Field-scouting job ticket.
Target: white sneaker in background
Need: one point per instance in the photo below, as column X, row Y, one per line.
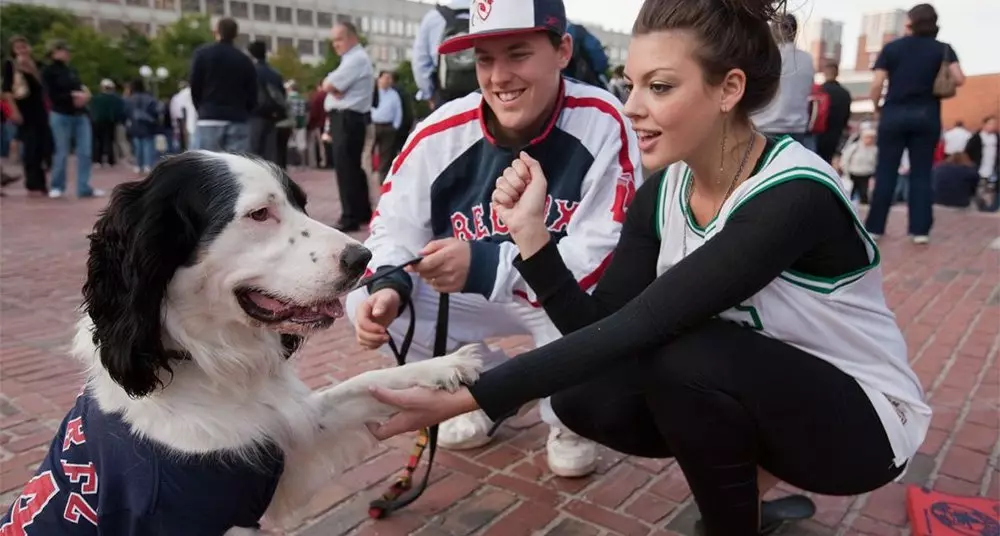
column 921, row 239
column 55, row 193
column 570, row 455
column 465, row 432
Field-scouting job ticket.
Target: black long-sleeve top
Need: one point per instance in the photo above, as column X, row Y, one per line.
column 60, row 81
column 799, row 225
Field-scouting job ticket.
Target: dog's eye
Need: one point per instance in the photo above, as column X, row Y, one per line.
column 261, row 214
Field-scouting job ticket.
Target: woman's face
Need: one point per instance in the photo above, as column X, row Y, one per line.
column 21, row 48
column 673, row 111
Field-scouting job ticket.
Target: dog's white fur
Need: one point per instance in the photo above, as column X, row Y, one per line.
column 238, row 389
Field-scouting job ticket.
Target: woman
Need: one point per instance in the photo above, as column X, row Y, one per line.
column 858, row 163
column 910, row 118
column 741, row 327
column 22, row 89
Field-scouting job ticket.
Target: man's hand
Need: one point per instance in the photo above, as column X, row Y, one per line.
column 445, row 265
column 374, row 316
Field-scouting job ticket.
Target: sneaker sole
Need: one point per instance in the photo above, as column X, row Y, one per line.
column 573, row 472
column 468, row 444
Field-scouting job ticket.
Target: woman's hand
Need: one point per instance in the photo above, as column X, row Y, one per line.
column 519, row 200
column 419, row 408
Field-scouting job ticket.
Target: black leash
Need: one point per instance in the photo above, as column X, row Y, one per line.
column 401, row 493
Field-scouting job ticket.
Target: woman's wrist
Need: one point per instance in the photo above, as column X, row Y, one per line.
column 531, row 240
column 464, row 401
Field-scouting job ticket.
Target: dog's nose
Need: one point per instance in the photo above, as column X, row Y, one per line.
column 354, row 259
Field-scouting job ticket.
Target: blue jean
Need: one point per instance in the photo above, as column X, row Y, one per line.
column 65, row 130
column 7, row 132
column 145, row 152
column 230, row 137
column 916, row 129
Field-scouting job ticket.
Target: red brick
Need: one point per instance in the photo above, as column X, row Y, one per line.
column 36, row 439
column 650, row 508
column 523, row 520
column 618, row 486
column 830, row 511
column 672, row 485
column 607, row 519
column 954, row 486
column 475, row 512
column 977, row 437
column 458, row 463
column 400, row 523
column 965, row 464
column 445, row 493
column 573, row 527
column 377, row 470
column 933, row 441
column 501, row 457
column 525, row 489
column 870, row 527
column 887, row 504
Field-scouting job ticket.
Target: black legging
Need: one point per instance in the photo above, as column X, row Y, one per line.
column 724, row 400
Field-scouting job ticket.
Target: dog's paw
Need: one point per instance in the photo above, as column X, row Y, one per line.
column 449, row 372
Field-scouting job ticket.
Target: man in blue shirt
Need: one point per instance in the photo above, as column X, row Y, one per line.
column 387, row 118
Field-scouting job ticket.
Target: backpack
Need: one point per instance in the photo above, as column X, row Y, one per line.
column 819, row 110
column 271, row 101
column 589, row 61
column 456, row 73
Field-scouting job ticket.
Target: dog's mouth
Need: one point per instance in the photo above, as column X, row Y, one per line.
column 287, row 316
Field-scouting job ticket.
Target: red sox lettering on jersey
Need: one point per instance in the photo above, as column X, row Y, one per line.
column 39, row 492
column 482, row 225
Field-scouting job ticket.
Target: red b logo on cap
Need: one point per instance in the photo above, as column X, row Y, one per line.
column 483, row 8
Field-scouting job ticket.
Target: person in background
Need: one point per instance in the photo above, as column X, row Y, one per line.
column 23, row 93
column 315, row 124
column 350, row 89
column 858, row 162
column 955, row 138
column 224, row 91
column 142, row 111
column 788, row 113
column 955, row 181
column 69, row 121
column 272, row 107
column 185, row 117
column 425, row 50
column 387, row 118
column 297, row 123
column 909, row 118
column 827, row 143
column 983, row 152
column 617, row 85
column 107, row 110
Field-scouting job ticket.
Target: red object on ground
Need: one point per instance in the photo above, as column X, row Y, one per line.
column 933, row 513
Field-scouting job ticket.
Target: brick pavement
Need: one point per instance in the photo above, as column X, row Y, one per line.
column 946, row 297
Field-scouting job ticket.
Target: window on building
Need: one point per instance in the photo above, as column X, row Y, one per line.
column 345, row 18
column 324, row 19
column 307, row 47
column 191, row 6
column 262, row 12
column 283, row 14
column 165, row 5
column 266, row 39
column 216, row 7
column 111, row 28
column 239, row 9
column 365, row 24
column 304, row 17
column 285, row 42
column 242, row 40
column 139, row 3
column 110, row 1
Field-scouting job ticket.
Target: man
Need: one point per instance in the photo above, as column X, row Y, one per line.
column 184, row 117
column 387, row 118
column 297, row 123
column 69, row 121
column 224, row 91
column 436, row 203
column 443, row 21
column 271, row 106
column 107, row 109
column 983, row 149
column 788, row 112
column 828, row 142
column 349, row 102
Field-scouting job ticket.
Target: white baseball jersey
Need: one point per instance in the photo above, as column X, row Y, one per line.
column 844, row 320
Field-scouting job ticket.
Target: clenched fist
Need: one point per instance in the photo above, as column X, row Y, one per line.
column 519, row 200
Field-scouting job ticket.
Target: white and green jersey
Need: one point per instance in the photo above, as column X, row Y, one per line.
column 843, row 320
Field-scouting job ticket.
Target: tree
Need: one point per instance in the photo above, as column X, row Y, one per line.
column 31, row 22
column 286, row 61
column 408, row 83
column 174, row 45
column 136, row 49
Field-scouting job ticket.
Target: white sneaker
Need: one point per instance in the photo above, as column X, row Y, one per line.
column 570, row 455
column 921, row 239
column 55, row 193
column 465, row 432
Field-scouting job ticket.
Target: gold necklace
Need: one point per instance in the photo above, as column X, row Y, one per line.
column 732, row 186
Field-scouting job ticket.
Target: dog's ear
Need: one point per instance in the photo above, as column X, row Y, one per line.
column 138, row 242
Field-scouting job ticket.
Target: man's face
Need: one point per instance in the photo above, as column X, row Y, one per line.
column 385, row 81
column 341, row 39
column 61, row 54
column 519, row 76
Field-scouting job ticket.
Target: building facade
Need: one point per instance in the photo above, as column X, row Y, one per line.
column 821, row 38
column 389, row 25
column 877, row 29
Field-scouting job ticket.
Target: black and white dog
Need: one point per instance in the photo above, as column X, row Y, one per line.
column 202, row 280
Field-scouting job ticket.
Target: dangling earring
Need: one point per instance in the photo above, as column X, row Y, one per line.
column 722, row 154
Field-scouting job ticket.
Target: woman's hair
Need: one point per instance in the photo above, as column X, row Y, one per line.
column 15, row 40
column 923, row 20
column 731, row 34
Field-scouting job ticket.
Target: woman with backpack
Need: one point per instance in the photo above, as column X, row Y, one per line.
column 142, row 113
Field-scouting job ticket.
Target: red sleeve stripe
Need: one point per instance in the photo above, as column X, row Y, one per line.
column 586, row 282
column 432, row 129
